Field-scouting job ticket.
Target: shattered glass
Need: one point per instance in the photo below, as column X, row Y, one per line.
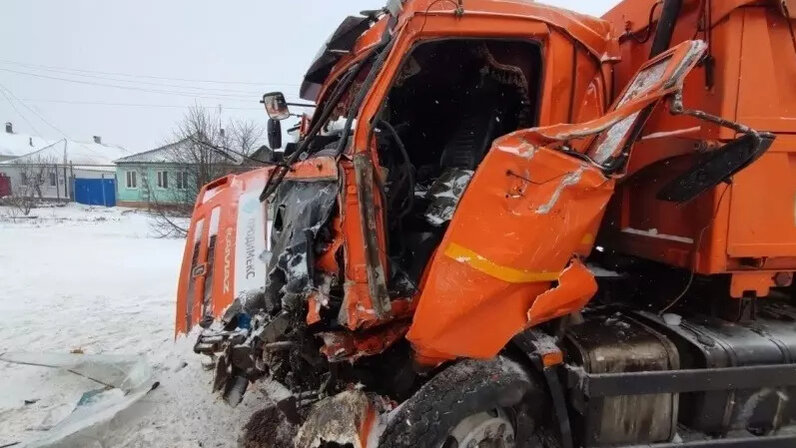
column 609, row 141
column 302, row 208
column 445, row 193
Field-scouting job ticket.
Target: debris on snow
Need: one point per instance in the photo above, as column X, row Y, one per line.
column 110, row 288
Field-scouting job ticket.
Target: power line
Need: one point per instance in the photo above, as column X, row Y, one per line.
column 35, row 112
column 3, row 91
column 140, row 89
column 99, row 103
column 228, row 97
column 157, row 84
column 209, row 81
column 47, row 121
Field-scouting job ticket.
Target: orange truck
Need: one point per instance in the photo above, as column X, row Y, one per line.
column 507, row 224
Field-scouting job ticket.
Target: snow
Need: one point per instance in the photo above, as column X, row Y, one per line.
column 170, row 154
column 15, row 145
column 95, row 279
column 80, row 154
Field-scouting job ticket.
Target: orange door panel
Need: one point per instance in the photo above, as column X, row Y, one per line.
column 529, row 209
column 525, row 213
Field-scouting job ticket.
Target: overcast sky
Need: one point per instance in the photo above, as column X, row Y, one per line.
column 126, row 70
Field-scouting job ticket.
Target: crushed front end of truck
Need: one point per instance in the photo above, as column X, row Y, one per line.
column 311, row 272
column 432, row 217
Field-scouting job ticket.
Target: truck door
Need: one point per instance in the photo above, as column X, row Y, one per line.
column 531, row 210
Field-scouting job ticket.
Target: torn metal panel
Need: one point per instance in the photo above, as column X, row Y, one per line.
column 516, row 229
column 568, row 180
column 301, row 208
column 348, row 346
column 445, row 193
column 225, row 260
column 576, row 286
column 349, row 417
column 319, row 298
column 377, row 280
column 657, row 79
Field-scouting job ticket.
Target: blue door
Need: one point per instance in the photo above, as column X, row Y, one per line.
column 95, row 192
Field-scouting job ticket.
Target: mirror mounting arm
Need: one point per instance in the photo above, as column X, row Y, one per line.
column 677, row 108
column 716, row 166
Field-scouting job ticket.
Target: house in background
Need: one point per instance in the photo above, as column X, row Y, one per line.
column 167, row 175
column 62, row 169
column 14, row 144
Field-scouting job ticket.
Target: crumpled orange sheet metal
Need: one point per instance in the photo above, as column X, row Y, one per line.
column 526, row 212
column 220, row 207
column 350, row 346
column 576, row 286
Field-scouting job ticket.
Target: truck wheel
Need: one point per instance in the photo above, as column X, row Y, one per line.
column 469, row 404
column 485, row 429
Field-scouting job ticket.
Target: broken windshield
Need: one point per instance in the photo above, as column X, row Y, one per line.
column 609, row 142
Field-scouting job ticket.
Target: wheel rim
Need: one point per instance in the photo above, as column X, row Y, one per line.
column 492, row 429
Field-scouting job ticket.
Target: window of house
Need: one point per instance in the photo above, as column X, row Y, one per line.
column 132, row 181
column 163, row 179
column 53, row 179
column 182, row 180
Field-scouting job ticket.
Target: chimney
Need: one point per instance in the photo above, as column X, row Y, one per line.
column 222, row 133
column 98, row 139
column 30, row 141
column 9, row 127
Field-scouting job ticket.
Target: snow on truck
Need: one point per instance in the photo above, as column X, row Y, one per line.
column 448, row 265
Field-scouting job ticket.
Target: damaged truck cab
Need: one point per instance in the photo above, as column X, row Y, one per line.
column 366, row 214
column 422, row 247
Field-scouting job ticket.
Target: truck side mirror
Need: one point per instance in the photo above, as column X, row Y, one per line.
column 274, row 133
column 275, row 105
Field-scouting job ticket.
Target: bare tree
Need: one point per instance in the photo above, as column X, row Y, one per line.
column 204, row 150
column 29, row 177
column 245, row 136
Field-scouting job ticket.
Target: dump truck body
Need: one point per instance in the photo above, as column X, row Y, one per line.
column 747, row 78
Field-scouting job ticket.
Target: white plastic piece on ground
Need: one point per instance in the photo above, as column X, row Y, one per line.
column 120, row 371
column 121, row 380
column 100, row 304
column 672, row 319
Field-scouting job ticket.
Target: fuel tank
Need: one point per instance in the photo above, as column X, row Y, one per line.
column 706, row 342
column 619, row 343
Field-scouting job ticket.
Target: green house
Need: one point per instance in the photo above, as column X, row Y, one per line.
column 171, row 175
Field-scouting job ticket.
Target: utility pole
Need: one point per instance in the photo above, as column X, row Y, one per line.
column 66, row 184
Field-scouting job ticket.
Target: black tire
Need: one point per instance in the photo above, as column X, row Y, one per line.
column 461, row 390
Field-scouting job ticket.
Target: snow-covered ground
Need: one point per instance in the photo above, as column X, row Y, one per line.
column 97, row 280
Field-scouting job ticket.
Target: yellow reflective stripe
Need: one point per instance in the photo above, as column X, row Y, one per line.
column 505, row 273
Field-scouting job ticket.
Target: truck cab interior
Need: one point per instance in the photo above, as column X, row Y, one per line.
column 450, row 100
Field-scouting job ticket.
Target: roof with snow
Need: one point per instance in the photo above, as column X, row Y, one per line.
column 170, row 153
column 15, row 145
column 65, row 151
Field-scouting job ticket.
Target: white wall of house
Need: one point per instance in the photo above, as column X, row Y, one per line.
column 56, row 182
